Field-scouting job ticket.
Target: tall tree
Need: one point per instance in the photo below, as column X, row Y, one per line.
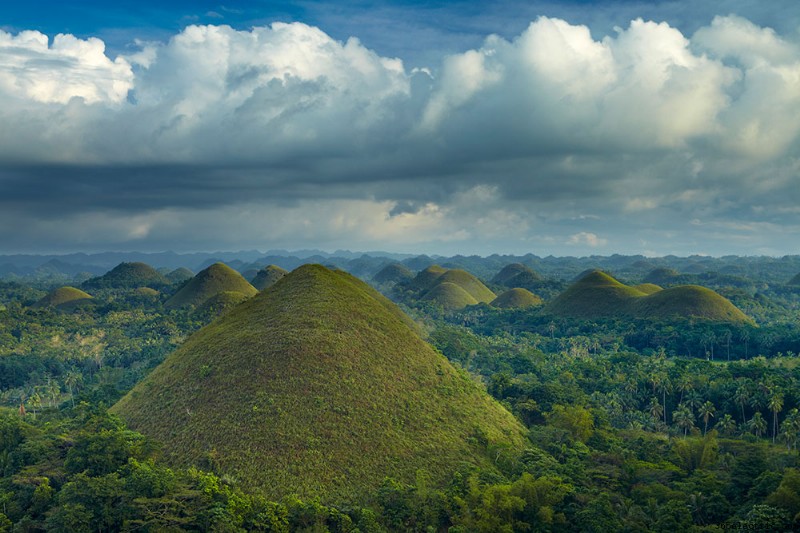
column 707, row 410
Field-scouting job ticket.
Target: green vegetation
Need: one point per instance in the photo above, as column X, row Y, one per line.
column 207, row 283
column 516, row 299
column 795, row 280
column 326, row 390
column 268, row 276
column 128, row 276
column 63, row 296
column 598, row 295
column 645, row 421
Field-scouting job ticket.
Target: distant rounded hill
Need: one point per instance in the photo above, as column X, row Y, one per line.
column 207, row 283
column 268, row 276
column 452, row 289
column 64, row 297
column 128, row 276
column 393, row 273
column 662, row 276
column 449, row 296
column 180, row 275
column 516, row 275
column 598, row 295
column 516, row 298
column 327, row 391
column 425, row 279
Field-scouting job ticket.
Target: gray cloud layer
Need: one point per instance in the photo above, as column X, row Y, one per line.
column 553, row 141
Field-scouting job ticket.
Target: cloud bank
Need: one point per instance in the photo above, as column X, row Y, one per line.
column 555, row 141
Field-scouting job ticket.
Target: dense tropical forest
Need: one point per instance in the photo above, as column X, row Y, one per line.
column 645, row 394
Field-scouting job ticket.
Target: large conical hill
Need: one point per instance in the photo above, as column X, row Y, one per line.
column 516, row 298
column 268, row 276
column 128, row 276
column 180, row 275
column 63, row 297
column 207, row 283
column 318, row 388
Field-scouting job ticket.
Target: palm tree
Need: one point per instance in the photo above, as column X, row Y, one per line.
column 757, row 424
column 726, row 424
column 790, row 429
column 684, row 418
column 72, row 380
column 775, row 405
column 707, row 410
column 655, row 408
column 35, row 401
column 741, row 396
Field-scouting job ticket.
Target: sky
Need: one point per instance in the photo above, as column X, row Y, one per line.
column 559, row 127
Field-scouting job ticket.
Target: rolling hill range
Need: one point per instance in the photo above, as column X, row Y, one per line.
column 207, row 283
column 598, row 295
column 325, row 387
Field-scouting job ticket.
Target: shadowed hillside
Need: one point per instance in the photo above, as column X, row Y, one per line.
column 449, row 296
column 179, row 275
column 128, row 276
column 516, row 275
column 326, row 390
column 207, row 283
column 393, row 273
column 268, row 276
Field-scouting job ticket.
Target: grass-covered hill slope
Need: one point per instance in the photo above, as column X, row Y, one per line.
column 207, row 283
column 128, row 276
column 516, row 298
column 688, row 301
column 518, row 271
column 268, row 276
column 393, row 273
column 220, row 303
column 469, row 283
column 449, row 296
column 598, row 295
column 63, row 296
column 316, row 387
